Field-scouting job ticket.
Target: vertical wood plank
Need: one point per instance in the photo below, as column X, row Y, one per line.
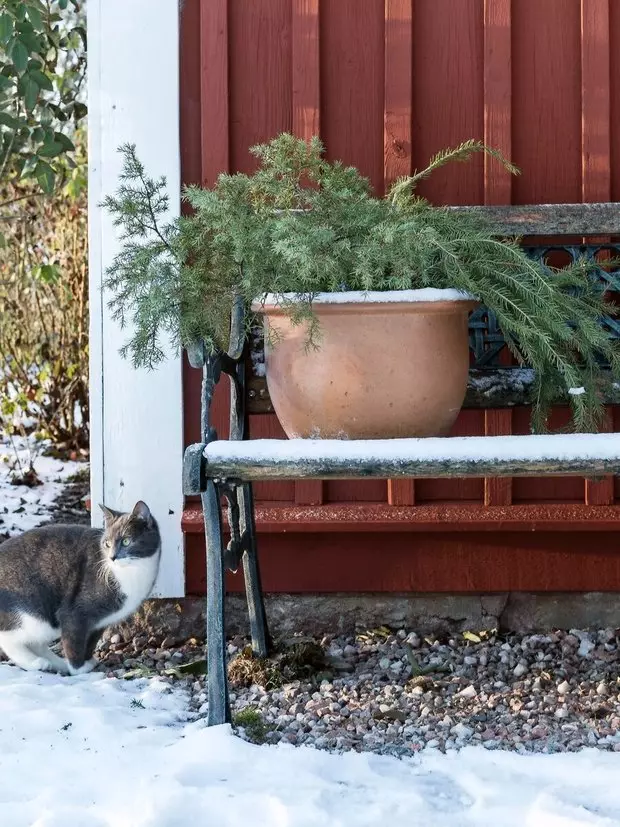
column 397, row 105
column 498, row 422
column 306, row 68
column 601, row 492
column 546, row 88
column 214, row 124
column 352, row 85
column 306, row 97
column 401, row 492
column 497, row 98
column 214, row 89
column 595, row 101
column 497, row 180
column 447, row 92
column 596, row 151
column 397, row 139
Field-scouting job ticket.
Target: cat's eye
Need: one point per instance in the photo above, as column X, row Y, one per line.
column 107, row 543
column 126, row 541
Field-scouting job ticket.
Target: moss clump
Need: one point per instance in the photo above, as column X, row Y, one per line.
column 251, row 722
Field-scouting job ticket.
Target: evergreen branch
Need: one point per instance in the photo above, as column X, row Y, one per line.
column 404, row 187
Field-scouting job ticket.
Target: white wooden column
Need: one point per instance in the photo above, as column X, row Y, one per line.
column 136, row 415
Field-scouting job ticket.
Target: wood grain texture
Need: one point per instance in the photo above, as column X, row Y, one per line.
column 397, row 139
column 448, row 95
column 260, row 76
column 454, row 562
column 497, row 99
column 397, row 97
column 498, row 491
column 306, row 70
column 596, row 151
column 190, row 83
column 552, row 219
column 215, row 89
column 401, row 492
column 601, row 492
column 352, row 84
column 595, row 101
column 546, row 101
column 306, row 96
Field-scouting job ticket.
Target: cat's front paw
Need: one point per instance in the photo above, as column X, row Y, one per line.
column 37, row 665
column 86, row 667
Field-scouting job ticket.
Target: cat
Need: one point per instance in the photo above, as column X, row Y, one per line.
column 70, row 582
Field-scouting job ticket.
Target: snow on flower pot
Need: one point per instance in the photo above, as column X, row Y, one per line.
column 387, row 365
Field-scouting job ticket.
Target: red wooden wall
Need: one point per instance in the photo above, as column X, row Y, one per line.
column 387, row 83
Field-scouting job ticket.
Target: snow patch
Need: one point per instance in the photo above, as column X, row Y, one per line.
column 21, row 507
column 426, row 294
column 562, row 447
column 97, row 752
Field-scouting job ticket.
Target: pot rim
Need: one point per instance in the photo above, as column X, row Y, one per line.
column 427, row 299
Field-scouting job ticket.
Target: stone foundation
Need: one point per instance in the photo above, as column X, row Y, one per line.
column 345, row 614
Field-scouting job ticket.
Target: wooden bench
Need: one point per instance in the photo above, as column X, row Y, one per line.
column 225, row 469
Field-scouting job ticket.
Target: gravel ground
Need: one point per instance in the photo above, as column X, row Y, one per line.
column 542, row 693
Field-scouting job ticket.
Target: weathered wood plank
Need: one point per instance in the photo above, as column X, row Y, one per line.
column 552, row 219
column 559, row 454
column 497, row 388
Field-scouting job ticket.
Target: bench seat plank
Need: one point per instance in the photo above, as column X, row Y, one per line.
column 562, row 454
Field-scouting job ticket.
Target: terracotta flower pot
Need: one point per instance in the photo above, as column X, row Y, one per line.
column 388, row 365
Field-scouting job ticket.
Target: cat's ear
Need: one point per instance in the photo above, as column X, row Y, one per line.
column 141, row 512
column 109, row 514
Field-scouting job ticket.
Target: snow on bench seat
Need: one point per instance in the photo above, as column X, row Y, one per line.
column 563, row 454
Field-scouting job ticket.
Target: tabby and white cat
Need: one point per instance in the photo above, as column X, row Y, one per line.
column 70, row 582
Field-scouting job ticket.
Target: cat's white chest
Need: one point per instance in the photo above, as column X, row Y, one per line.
column 135, row 580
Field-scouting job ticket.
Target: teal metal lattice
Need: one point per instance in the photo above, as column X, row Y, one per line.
column 486, row 340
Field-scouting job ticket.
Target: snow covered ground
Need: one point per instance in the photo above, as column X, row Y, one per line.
column 22, row 507
column 98, row 752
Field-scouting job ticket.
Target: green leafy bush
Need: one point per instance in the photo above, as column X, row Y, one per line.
column 43, row 238
column 303, row 225
column 42, row 69
column 44, row 311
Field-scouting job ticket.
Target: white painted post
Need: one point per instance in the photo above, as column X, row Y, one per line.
column 136, row 416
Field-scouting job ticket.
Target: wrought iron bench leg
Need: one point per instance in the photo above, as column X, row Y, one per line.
column 219, row 707
column 261, row 639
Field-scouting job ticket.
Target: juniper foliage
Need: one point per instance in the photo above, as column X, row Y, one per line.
column 303, row 225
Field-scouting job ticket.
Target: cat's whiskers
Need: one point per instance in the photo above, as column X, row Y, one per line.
column 104, row 571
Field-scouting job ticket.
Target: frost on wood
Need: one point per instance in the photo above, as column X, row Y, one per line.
column 563, row 454
column 427, row 294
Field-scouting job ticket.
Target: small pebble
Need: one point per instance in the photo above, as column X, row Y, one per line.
column 468, row 692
